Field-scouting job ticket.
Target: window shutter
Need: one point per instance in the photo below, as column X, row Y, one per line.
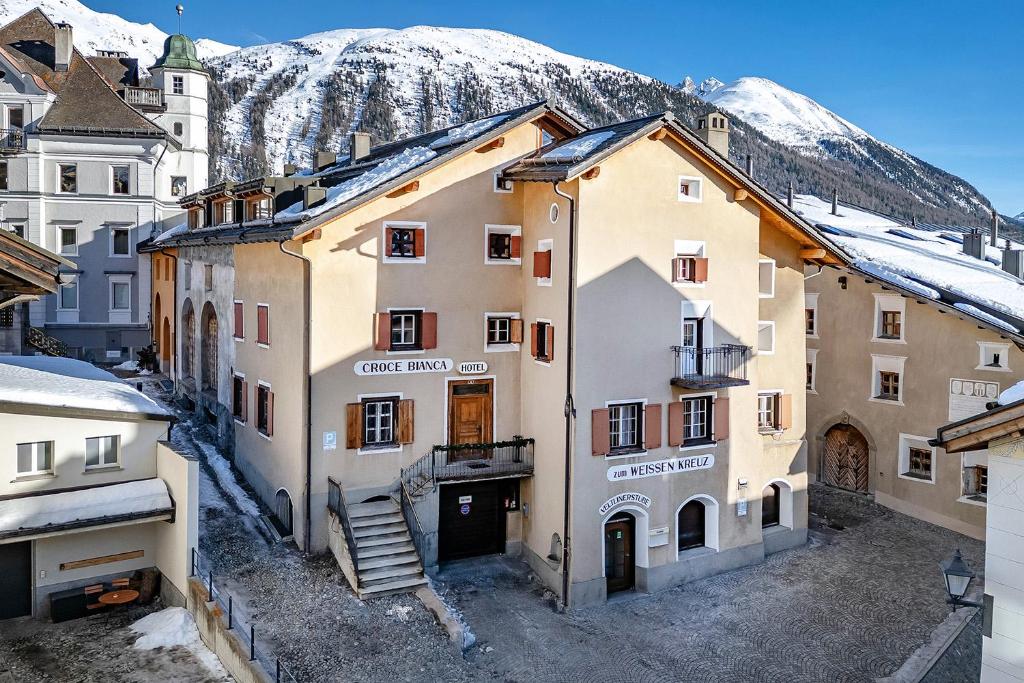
column 700, row 270
column 533, row 339
column 429, row 330
column 515, row 331
column 245, row 401
column 675, row 423
column 388, row 232
column 786, row 411
column 405, row 421
column 270, row 413
column 516, row 246
column 721, row 419
column 549, row 347
column 652, row 426
column 678, row 265
column 419, row 242
column 354, row 425
column 542, row 263
column 600, row 439
column 263, row 324
column 383, row 341
column 239, row 312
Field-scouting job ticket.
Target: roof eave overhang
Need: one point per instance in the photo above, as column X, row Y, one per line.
column 15, row 408
column 93, row 524
column 975, row 433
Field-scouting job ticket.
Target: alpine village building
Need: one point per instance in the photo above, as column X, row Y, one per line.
column 518, row 335
column 91, row 165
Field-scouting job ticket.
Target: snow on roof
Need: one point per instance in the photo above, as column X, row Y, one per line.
column 467, row 131
column 69, row 383
column 36, row 513
column 925, row 262
column 173, row 232
column 579, row 146
column 1012, row 394
column 388, row 169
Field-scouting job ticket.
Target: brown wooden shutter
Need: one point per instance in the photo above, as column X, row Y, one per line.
column 270, row 413
column 515, row 331
column 700, row 270
column 516, row 246
column 405, row 421
column 354, row 425
column 239, row 320
column 429, row 331
column 245, row 401
column 675, row 423
column 786, row 411
column 383, row 340
column 533, row 339
column 652, row 426
column 721, row 419
column 542, row 263
column 388, row 232
column 419, row 242
column 549, row 347
column 600, row 439
column 263, row 324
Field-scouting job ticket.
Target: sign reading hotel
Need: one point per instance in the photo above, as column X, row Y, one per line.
column 402, row 366
column 968, row 397
column 641, row 470
column 637, row 498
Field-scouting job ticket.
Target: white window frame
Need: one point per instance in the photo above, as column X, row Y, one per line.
column 641, row 428
column 906, row 441
column 547, row 245
column 500, row 348
column 554, row 213
column 690, row 198
column 397, row 448
column 538, row 361
column 113, row 227
column 770, row 324
column 889, row 302
column 882, row 363
column 35, row 472
column 513, row 231
column 777, row 394
column 171, row 187
column 175, row 81
column 761, row 294
column 985, row 348
column 812, row 359
column 56, row 187
column 60, row 240
column 110, row 179
column 407, row 352
column 101, row 465
column 60, row 297
column 407, row 225
column 712, row 403
column 119, row 315
column 811, row 303
column 497, row 185
column 689, row 249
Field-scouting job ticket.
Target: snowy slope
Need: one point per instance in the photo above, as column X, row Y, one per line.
column 101, row 31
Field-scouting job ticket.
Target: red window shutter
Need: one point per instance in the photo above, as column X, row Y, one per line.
column 721, row 419
column 533, row 339
column 515, row 331
column 429, row 331
column 600, row 439
column 245, row 401
column 270, row 413
column 675, row 423
column 419, row 242
column 383, row 341
column 517, row 246
column 652, row 426
column 354, row 425
column 405, row 421
column 388, row 232
column 786, row 411
column 700, row 270
column 542, row 263
column 263, row 324
column 549, row 347
column 239, row 320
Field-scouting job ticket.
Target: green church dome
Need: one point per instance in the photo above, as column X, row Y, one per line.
column 179, row 53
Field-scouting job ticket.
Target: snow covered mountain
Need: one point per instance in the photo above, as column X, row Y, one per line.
column 101, row 31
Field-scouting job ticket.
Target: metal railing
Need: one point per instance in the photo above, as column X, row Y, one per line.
column 12, row 139
column 143, row 97
column 45, row 343
column 470, row 461
column 239, row 620
column 719, row 366
column 336, row 504
column 412, row 520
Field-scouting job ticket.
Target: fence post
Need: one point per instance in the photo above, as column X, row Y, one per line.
column 230, row 610
column 277, row 675
column 210, row 587
column 252, row 643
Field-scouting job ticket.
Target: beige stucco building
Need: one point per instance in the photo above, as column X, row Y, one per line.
column 517, row 335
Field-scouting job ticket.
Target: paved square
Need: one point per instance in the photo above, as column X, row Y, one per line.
column 852, row 605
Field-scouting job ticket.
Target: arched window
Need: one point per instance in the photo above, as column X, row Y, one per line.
column 770, row 499
column 209, row 338
column 283, row 513
column 188, row 350
column 691, row 525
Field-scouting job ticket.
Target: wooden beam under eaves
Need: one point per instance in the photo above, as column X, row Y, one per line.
column 812, row 253
column 404, row 189
column 658, row 134
column 313, row 234
column 592, row 173
column 496, row 143
column 740, row 195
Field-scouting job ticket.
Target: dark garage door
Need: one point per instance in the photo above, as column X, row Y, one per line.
column 16, row 585
column 472, row 519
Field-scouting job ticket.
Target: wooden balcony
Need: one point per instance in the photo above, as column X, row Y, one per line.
column 712, row 368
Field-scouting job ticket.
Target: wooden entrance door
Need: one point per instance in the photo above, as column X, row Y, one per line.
column 619, row 562
column 845, row 462
column 470, row 416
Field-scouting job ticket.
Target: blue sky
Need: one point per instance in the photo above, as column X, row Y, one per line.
column 943, row 80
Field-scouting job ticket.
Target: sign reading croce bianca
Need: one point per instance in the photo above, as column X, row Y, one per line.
column 638, row 498
column 402, row 366
column 641, row 470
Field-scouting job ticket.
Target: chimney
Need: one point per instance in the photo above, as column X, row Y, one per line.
column 290, row 169
column 835, row 202
column 63, row 46
column 913, row 221
column 359, row 146
column 713, row 128
column 789, row 197
column 313, row 195
column 750, row 165
column 1013, row 261
column 974, row 244
column 322, row 160
column 995, row 227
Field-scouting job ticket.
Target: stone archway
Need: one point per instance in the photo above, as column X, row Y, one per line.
column 188, row 342
column 208, row 335
column 845, row 461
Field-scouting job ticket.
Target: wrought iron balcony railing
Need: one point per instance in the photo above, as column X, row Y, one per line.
column 12, row 140
column 711, row 368
column 470, row 461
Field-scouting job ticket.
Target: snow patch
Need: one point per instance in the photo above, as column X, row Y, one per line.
column 175, row 627
column 467, row 131
column 226, row 478
column 128, row 365
column 173, row 232
column 897, row 279
column 1012, row 394
column 578, row 147
column 51, row 509
column 982, row 315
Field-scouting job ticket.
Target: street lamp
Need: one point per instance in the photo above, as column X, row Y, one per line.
column 958, row 577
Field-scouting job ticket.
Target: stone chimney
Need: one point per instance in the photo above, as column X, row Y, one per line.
column 1013, row 261
column 63, row 46
column 713, row 128
column 974, row 244
column 359, row 146
column 995, row 227
column 750, row 165
column 322, row 160
column 835, row 202
column 290, row 170
column 313, row 195
column 789, row 195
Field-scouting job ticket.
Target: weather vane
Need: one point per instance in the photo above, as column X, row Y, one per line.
column 179, row 8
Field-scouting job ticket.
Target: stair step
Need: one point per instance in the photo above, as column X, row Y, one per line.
column 384, row 574
column 381, row 529
column 394, row 560
column 398, row 546
column 402, row 585
column 383, row 540
column 377, row 520
column 383, row 507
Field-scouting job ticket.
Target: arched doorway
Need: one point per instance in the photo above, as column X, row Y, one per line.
column 620, row 552
column 845, row 459
column 771, row 503
column 209, row 346
column 156, row 317
column 165, row 345
column 283, row 513
column 697, row 523
column 188, row 347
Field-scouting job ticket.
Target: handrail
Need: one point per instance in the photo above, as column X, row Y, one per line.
column 45, row 343
column 336, row 504
column 412, row 519
column 728, row 361
column 470, row 461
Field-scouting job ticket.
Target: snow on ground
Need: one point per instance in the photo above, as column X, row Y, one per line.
column 128, row 365
column 227, row 481
column 175, row 627
column 579, row 147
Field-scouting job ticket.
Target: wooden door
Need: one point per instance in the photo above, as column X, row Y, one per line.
column 619, row 564
column 470, row 417
column 693, row 342
column 845, row 462
column 16, row 586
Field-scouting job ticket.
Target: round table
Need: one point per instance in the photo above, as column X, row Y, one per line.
column 119, row 597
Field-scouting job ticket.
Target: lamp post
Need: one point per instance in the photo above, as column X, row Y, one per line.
column 958, row 577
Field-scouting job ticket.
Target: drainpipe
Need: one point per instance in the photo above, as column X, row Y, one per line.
column 307, row 298
column 570, row 408
column 174, row 297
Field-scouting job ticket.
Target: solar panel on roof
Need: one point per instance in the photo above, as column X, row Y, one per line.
column 956, row 239
column 832, row 230
column 899, row 232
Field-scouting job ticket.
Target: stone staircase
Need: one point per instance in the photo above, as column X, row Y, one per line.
column 386, row 558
